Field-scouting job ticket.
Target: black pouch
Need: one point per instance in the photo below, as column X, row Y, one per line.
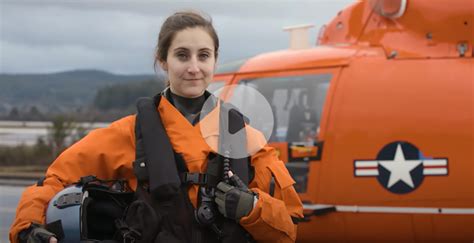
column 162, row 217
column 174, row 213
column 140, row 222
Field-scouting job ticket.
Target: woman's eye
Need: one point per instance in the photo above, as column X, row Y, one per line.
column 182, row 56
column 204, row 56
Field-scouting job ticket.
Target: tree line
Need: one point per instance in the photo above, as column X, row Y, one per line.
column 110, row 103
column 123, row 96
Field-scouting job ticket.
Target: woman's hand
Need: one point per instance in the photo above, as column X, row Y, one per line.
column 236, row 201
column 38, row 234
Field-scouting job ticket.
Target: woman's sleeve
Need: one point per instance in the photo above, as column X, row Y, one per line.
column 103, row 152
column 272, row 217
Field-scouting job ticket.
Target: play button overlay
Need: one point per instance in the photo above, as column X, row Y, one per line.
column 222, row 123
column 233, row 129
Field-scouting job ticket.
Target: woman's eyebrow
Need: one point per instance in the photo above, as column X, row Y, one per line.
column 187, row 50
column 180, row 49
column 205, row 49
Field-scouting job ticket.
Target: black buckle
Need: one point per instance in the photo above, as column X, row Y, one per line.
column 194, row 178
column 87, row 179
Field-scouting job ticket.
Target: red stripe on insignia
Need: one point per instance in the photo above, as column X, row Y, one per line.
column 434, row 166
column 367, row 168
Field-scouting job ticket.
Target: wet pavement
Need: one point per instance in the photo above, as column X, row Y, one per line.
column 9, row 194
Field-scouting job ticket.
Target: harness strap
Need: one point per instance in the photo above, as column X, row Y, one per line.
column 232, row 121
column 162, row 171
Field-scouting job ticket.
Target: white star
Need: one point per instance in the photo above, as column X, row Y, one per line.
column 400, row 168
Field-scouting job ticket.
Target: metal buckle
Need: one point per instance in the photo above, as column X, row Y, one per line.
column 195, row 178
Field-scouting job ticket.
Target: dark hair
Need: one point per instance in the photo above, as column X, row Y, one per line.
column 180, row 21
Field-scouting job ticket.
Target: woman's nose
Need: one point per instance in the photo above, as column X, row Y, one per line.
column 193, row 66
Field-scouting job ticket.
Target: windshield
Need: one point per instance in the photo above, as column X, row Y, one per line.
column 297, row 103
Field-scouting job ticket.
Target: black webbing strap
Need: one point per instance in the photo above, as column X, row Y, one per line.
column 214, row 170
column 159, row 153
column 230, row 123
column 187, row 177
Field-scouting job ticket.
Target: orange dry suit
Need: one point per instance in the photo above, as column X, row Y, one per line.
column 108, row 153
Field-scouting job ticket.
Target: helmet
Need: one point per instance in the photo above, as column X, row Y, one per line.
column 88, row 209
column 65, row 206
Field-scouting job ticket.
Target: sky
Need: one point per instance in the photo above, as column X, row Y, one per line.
column 120, row 36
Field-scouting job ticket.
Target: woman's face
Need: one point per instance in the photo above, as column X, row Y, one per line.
column 190, row 63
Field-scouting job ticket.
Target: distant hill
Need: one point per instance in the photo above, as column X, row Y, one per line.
column 59, row 91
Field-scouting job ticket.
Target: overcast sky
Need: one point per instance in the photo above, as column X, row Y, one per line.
column 120, row 36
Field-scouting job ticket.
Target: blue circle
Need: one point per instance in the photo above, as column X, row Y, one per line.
column 410, row 152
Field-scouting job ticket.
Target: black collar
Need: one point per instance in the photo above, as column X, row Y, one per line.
column 191, row 108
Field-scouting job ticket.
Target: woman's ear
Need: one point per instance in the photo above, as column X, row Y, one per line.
column 164, row 65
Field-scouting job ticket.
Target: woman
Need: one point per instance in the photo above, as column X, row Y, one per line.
column 187, row 50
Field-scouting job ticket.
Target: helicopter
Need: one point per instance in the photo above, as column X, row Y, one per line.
column 375, row 122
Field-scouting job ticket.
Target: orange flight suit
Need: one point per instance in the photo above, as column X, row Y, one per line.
column 108, row 153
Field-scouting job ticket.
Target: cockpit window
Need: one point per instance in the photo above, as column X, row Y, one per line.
column 297, row 103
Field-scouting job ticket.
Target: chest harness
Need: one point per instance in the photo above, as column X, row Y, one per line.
column 162, row 210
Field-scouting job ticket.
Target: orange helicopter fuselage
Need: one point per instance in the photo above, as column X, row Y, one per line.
column 386, row 152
